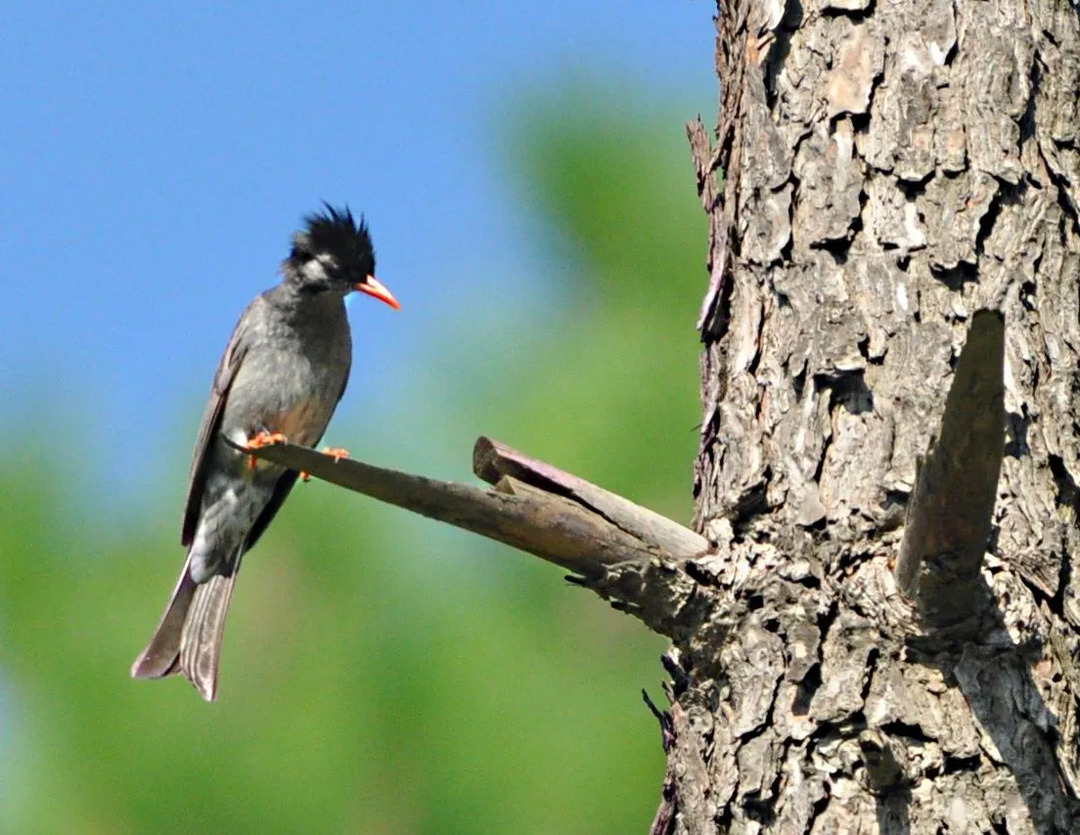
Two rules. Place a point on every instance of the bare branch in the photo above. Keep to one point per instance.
(534, 507)
(950, 512)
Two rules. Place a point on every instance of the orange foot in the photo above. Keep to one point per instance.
(335, 452)
(263, 438)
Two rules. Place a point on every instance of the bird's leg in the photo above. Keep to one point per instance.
(335, 452)
(260, 439)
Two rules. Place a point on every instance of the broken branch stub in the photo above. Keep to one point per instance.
(949, 514)
(493, 459)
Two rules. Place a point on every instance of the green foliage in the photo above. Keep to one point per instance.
(383, 674)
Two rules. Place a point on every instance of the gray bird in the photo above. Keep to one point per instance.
(282, 375)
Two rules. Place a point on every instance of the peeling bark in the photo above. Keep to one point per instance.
(879, 172)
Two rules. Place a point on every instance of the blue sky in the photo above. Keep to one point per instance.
(155, 158)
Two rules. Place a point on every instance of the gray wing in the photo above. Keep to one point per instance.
(211, 422)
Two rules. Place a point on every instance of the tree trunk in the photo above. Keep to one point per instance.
(880, 172)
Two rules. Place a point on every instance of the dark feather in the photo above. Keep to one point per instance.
(282, 487)
(336, 232)
(211, 422)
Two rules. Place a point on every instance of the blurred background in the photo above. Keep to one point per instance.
(525, 174)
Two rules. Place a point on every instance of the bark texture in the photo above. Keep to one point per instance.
(879, 172)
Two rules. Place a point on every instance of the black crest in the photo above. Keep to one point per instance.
(336, 232)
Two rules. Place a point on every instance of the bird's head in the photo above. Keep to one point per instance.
(333, 253)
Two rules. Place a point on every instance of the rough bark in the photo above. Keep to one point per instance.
(880, 172)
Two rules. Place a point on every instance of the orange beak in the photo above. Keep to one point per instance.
(373, 287)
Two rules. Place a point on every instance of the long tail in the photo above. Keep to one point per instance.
(188, 639)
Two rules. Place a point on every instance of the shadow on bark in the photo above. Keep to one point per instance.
(1018, 727)
(892, 812)
(948, 526)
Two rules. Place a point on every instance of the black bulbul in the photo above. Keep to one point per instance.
(282, 375)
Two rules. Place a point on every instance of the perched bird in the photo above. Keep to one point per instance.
(282, 375)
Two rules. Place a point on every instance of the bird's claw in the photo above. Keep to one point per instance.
(259, 440)
(335, 452)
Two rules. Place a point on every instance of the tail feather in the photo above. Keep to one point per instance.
(161, 654)
(200, 640)
(188, 639)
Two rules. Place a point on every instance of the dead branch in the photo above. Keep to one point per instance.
(950, 512)
(534, 506)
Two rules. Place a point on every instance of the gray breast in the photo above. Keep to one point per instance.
(293, 371)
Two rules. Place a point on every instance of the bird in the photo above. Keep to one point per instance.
(281, 377)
